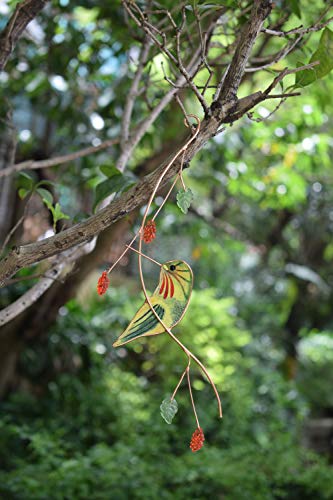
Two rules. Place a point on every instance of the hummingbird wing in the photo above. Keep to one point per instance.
(144, 323)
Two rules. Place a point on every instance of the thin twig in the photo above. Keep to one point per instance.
(131, 97)
(187, 76)
(204, 51)
(181, 105)
(58, 160)
(143, 23)
(298, 31)
(61, 262)
(259, 120)
(280, 55)
(286, 72)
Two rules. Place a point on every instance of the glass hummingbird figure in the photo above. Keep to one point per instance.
(169, 300)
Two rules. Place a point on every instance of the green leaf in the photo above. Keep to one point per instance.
(117, 184)
(45, 195)
(184, 199)
(169, 408)
(109, 170)
(26, 181)
(58, 213)
(48, 204)
(45, 183)
(23, 193)
(323, 54)
(295, 8)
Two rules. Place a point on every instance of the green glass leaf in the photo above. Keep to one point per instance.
(169, 408)
(323, 54)
(117, 184)
(184, 199)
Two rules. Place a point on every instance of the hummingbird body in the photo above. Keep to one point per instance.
(169, 300)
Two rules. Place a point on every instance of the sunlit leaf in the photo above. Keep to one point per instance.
(323, 54)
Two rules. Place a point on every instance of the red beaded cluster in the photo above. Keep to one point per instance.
(149, 231)
(103, 283)
(197, 440)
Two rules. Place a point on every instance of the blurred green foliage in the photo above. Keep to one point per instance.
(98, 433)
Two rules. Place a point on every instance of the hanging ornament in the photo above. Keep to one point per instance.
(165, 308)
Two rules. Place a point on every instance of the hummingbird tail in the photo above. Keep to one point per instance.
(117, 343)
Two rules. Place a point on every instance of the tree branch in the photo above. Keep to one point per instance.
(298, 31)
(277, 57)
(61, 267)
(244, 105)
(58, 160)
(130, 100)
(35, 252)
(232, 80)
(24, 12)
(231, 110)
(182, 80)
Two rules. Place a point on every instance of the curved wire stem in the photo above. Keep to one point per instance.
(180, 381)
(191, 395)
(188, 353)
(187, 372)
(127, 247)
(144, 255)
(178, 176)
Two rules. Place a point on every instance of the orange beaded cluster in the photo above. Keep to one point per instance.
(149, 231)
(197, 440)
(103, 283)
